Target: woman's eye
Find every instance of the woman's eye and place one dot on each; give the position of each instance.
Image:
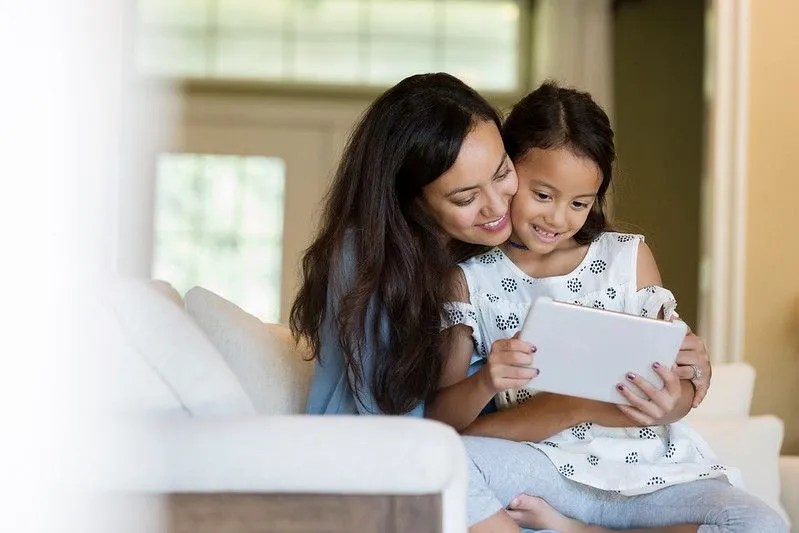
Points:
(504, 174)
(463, 202)
(579, 205)
(541, 195)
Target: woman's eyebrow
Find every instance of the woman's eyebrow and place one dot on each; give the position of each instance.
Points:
(461, 189)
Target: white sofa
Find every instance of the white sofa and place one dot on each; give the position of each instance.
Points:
(223, 393)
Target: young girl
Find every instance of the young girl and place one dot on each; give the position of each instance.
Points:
(653, 476)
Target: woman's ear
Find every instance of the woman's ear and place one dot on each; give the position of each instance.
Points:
(421, 203)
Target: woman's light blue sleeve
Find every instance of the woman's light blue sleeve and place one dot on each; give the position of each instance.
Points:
(332, 386)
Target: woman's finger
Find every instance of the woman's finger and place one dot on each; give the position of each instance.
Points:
(683, 372)
(701, 391)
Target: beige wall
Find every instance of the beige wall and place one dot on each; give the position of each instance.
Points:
(658, 62)
(772, 226)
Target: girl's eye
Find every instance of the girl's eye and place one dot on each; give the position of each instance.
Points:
(541, 195)
(579, 205)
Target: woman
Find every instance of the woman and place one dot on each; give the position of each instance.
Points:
(424, 182)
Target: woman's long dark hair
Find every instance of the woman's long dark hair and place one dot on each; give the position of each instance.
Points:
(557, 117)
(407, 138)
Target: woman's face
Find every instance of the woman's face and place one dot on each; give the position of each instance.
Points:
(471, 201)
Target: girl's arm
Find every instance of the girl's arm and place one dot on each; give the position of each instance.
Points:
(546, 414)
(460, 399)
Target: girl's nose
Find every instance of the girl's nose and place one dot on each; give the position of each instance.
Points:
(557, 217)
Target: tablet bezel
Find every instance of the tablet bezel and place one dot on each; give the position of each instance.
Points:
(602, 347)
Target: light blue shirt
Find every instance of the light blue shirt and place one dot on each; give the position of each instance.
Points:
(331, 386)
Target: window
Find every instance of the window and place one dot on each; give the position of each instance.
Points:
(345, 42)
(219, 224)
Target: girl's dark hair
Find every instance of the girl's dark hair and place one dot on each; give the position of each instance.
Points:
(556, 117)
(406, 139)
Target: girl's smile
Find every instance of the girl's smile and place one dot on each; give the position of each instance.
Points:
(557, 190)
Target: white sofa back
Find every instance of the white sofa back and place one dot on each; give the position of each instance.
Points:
(163, 362)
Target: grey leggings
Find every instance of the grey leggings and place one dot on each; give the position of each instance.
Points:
(501, 469)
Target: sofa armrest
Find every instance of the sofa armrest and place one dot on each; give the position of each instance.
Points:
(789, 484)
(304, 454)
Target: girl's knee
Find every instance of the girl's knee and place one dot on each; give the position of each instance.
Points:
(753, 517)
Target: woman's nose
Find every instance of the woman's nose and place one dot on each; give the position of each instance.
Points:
(495, 205)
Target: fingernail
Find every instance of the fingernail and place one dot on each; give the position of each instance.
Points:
(630, 376)
(655, 365)
(514, 503)
(620, 387)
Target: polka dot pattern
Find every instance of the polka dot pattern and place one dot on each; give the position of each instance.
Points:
(605, 279)
(647, 433)
(598, 266)
(509, 284)
(567, 470)
(574, 285)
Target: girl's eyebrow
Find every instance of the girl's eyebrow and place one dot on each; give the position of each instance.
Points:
(548, 186)
(461, 189)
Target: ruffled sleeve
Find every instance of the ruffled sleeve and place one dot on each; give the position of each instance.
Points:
(650, 300)
(462, 313)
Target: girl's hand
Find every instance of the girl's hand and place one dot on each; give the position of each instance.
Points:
(509, 365)
(655, 409)
(694, 359)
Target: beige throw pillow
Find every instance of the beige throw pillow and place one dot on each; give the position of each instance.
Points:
(270, 367)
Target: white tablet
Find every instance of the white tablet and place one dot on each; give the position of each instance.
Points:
(586, 352)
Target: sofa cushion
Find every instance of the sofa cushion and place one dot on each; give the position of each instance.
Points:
(166, 288)
(730, 393)
(173, 354)
(752, 444)
(269, 365)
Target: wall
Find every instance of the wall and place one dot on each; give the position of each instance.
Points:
(658, 61)
(771, 302)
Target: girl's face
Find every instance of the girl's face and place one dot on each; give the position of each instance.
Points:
(470, 201)
(556, 192)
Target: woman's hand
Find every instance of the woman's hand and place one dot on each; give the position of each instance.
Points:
(509, 365)
(693, 363)
(659, 405)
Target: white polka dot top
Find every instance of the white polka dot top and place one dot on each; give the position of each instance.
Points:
(627, 460)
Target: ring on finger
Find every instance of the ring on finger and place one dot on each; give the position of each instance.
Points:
(697, 372)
